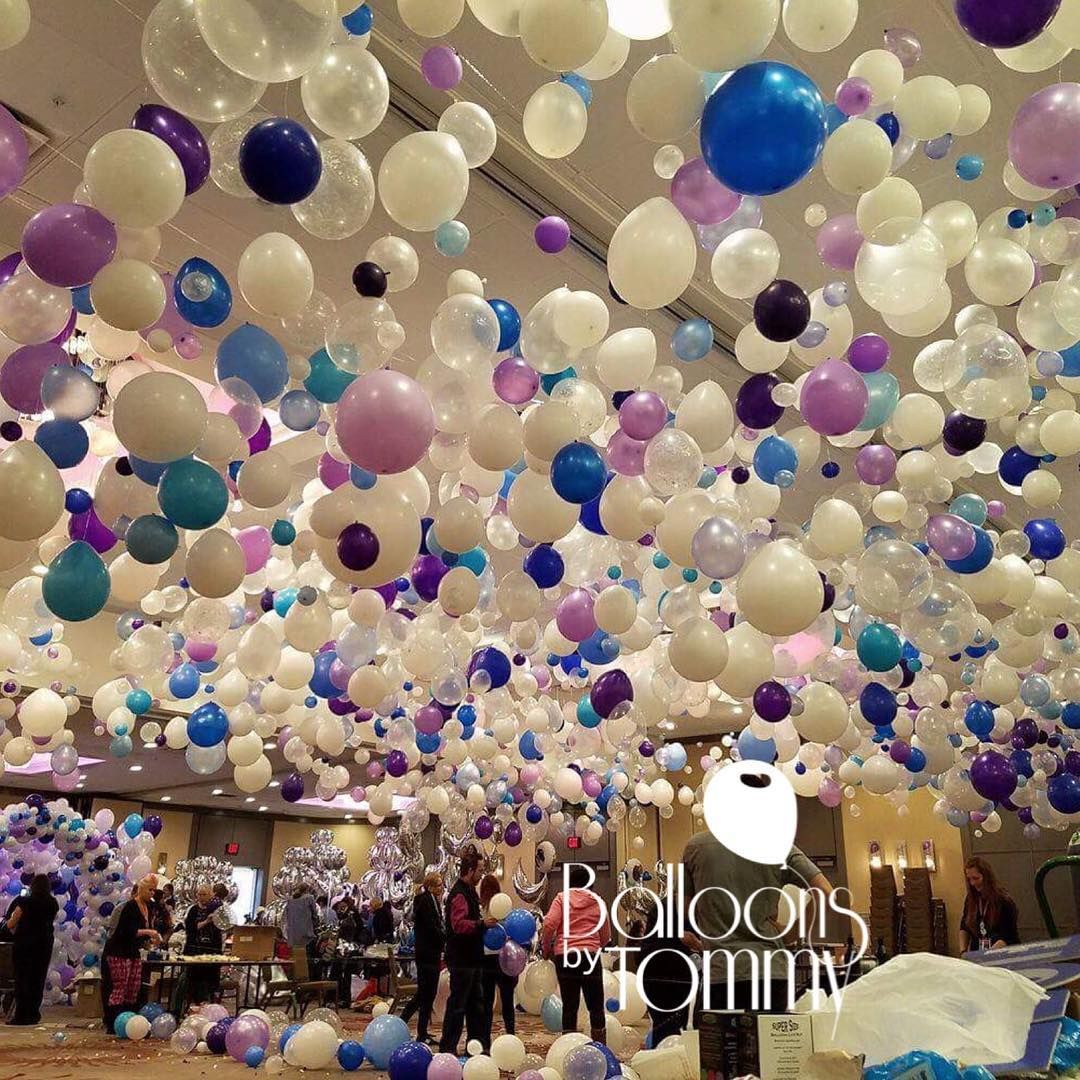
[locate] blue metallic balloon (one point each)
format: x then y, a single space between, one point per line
763 128
280 161
509 323
774 455
578 473
692 340
251 354
1047 539
204 300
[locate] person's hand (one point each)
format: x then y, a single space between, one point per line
490 921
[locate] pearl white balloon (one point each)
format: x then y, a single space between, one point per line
424 180
128 294
275 275
893 197
555 120
134 178
665 98
501 17
817 27
609 58
857 157
474 129
745 262
346 93
561 35
927 107
722 37
640 20
652 255
974 109
882 70
955 225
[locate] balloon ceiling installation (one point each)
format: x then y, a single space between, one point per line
514 568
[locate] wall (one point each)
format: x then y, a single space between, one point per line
1015 861
120 808
879 821
174 840
354 838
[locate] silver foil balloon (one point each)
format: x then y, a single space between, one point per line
202 870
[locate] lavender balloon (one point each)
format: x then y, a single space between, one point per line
14 153
643 414
515 381
950 536
626 455
699 196
574 615
838 242
181 136
718 548
834 398
68 243
441 67
875 464
1044 140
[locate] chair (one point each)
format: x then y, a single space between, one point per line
298 992
7 977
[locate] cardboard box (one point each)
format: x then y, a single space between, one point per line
254 942
86 998
772 1046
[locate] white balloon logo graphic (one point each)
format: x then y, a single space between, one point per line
750 808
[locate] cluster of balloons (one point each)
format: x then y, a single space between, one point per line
514 565
91 864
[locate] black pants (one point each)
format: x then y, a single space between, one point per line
744 996
465 1008
575 983
423 1001
31 960
496 981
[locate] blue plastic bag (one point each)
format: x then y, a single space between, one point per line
935 1067
1067 1051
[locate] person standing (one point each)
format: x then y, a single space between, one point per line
202 938
382 922
429 937
30 919
465 955
576 921
121 982
745 932
990 913
496 981
302 921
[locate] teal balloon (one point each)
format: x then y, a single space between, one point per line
878 647
326 382
972 508
884 393
151 539
192 495
76 585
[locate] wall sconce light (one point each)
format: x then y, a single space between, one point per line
875 855
901 855
928 858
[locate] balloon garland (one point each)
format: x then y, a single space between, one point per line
516 565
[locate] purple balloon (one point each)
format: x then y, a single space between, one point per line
512 834
754 405
574 615
484 827
1004 24
292 787
950 536
643 414
838 242
853 96
875 464
868 352
256 544
90 528
772 702
427 571
9 264
23 370
699 196
961 433
610 691
441 67
626 456
1044 140
181 136
260 441
993 775
332 473
834 398
429 719
512 957
515 380
14 153
552 234
245 1032
781 311
358 547
67 244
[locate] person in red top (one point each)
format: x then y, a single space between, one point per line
575 921
465 924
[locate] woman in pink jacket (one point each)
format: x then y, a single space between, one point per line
575 927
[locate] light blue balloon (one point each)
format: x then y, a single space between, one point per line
76 585
692 340
884 393
551 1012
452 238
299 410
579 84
133 825
774 455
251 354
753 749
972 508
383 1035
184 682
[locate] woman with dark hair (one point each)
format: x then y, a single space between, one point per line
429 936
30 919
989 920
576 921
664 971
121 981
495 979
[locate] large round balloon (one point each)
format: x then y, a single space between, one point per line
384 422
179 133
66 244
423 180
280 160
763 128
252 355
1004 25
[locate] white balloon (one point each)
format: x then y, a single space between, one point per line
652 255
555 120
275 275
424 180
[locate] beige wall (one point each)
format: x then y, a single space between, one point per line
879 821
174 840
355 838
120 808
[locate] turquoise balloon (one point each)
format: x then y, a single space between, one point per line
972 508
884 393
151 539
878 647
192 495
76 585
325 381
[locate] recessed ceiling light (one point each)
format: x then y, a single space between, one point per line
250 798
166 798
217 791
348 817
134 768
270 744
263 809
274 783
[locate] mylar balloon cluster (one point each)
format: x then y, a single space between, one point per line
91 864
517 564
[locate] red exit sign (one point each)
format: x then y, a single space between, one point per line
232 848
573 842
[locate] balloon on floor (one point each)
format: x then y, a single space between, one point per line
512 566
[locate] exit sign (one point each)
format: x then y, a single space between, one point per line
573 842
232 848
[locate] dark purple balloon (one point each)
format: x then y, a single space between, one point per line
292 787
610 691
182 136
89 528
781 311
427 571
963 433
484 827
397 763
512 834
215 1035
357 547
772 701
8 265
993 775
22 372
1004 24
754 405
260 441
152 824
67 244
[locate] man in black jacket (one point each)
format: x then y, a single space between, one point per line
465 955
429 937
